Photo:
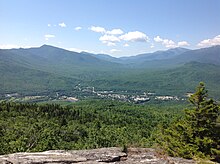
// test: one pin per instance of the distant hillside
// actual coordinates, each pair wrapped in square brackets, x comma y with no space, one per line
[49,68]
[55,60]
[104,57]
[15,78]
[209,55]
[173,81]
[158,55]
[46,57]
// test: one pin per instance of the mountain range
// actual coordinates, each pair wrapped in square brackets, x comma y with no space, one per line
[48,69]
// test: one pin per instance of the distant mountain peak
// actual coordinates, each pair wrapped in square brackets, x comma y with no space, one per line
[178,48]
[84,52]
[48,46]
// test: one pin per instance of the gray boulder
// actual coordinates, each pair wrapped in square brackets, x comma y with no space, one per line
[94,156]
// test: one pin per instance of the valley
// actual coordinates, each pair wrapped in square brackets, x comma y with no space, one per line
[52,74]
[82,93]
[95,100]
[108,81]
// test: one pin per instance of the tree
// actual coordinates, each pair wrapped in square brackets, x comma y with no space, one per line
[197,133]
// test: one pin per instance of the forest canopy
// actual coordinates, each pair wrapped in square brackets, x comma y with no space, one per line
[86,124]
[194,132]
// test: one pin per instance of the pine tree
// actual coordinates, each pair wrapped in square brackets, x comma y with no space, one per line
[197,133]
[203,119]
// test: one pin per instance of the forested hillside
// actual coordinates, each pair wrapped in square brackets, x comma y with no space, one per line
[49,69]
[174,81]
[90,124]
[87,124]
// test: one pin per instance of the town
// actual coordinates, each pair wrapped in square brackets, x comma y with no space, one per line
[88,92]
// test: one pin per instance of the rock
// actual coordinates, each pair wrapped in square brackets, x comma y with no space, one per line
[94,156]
[44,157]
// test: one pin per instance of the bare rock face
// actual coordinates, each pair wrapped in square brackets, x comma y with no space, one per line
[95,156]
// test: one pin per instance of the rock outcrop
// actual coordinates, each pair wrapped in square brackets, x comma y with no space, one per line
[95,156]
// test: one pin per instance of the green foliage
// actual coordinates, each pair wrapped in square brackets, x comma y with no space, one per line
[197,134]
[84,125]
[49,69]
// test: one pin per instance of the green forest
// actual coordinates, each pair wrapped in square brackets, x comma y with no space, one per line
[189,133]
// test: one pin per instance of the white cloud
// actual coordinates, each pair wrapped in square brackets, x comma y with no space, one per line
[126,45]
[158,39]
[210,42]
[48,36]
[183,43]
[152,45]
[97,29]
[111,37]
[114,50]
[111,44]
[115,32]
[78,28]
[103,30]
[62,24]
[110,40]
[49,25]
[166,42]
[169,43]
[135,36]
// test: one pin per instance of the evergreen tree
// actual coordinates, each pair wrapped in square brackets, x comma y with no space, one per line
[197,133]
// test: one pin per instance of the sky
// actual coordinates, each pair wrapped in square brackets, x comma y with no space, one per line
[114,27]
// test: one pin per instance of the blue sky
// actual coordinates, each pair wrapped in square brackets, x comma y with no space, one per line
[115,27]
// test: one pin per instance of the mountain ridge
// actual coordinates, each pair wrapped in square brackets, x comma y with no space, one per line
[176,55]
[54,68]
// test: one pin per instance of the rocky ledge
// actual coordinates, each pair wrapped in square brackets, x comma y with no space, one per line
[95,156]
